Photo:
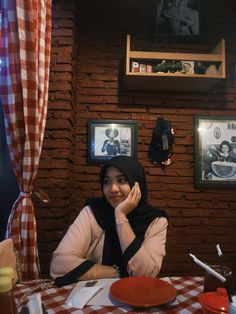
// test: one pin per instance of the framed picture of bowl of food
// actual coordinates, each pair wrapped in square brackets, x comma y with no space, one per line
[215,151]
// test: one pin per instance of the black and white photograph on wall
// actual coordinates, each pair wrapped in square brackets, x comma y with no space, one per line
[108,138]
[180,20]
[215,151]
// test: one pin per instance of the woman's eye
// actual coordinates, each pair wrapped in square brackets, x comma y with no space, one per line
[123,180]
[106,182]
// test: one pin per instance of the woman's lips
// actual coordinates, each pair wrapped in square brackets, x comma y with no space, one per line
[116,199]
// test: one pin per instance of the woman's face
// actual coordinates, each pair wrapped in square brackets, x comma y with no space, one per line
[225,149]
[116,186]
[112,134]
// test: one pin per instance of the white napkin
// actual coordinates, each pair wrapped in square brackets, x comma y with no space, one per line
[35,304]
[79,297]
[91,292]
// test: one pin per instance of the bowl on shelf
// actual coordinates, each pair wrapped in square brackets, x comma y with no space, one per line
[224,169]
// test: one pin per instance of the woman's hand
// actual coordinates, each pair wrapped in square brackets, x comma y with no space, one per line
[130,202]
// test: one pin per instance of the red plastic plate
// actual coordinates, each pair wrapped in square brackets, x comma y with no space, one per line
[142,291]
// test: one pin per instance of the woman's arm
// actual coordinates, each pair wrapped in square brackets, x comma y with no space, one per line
[124,230]
[104,146]
[148,259]
[117,146]
[82,238]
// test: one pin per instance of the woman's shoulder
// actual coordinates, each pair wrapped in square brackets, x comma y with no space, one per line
[160,220]
[158,224]
[87,219]
[85,214]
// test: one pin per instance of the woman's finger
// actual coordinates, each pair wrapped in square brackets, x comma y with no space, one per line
[135,192]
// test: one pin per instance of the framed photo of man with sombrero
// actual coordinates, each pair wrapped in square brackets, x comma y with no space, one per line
[108,138]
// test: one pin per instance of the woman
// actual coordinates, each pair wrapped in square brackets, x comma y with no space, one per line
[111,146]
[225,149]
[224,153]
[118,234]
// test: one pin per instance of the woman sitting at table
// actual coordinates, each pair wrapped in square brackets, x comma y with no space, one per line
[116,235]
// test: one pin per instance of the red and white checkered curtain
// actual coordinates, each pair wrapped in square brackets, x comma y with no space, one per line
[25,42]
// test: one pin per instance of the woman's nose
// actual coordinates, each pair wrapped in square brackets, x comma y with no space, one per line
[114,187]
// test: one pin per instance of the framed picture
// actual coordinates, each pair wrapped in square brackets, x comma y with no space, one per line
[108,138]
[215,151]
[180,20]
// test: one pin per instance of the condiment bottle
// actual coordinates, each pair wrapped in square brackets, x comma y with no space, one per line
[7,300]
[7,271]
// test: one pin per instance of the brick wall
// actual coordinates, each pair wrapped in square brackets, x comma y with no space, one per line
[87,65]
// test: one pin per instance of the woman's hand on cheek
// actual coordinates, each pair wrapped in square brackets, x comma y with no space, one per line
[130,202]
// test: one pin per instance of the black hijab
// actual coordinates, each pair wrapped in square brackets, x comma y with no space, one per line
[140,218]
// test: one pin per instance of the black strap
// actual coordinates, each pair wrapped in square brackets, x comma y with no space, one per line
[74,274]
[129,253]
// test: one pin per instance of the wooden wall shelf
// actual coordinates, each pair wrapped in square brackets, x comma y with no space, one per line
[184,82]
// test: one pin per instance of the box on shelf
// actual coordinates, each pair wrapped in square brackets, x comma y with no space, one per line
[187,67]
[135,66]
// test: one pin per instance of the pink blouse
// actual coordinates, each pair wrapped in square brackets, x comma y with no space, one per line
[84,240]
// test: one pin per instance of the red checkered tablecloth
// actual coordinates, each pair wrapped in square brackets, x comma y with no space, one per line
[188,289]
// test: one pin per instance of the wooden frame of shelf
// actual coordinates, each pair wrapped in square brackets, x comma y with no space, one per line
[173,81]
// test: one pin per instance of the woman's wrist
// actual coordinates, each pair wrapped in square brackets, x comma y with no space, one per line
[119,215]
[116,273]
[122,220]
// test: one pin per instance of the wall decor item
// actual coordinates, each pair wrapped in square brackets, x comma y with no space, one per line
[215,151]
[108,138]
[180,20]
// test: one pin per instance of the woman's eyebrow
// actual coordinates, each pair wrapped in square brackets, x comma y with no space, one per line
[116,176]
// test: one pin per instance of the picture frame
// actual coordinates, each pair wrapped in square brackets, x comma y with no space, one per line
[108,138]
[215,151]
[180,21]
